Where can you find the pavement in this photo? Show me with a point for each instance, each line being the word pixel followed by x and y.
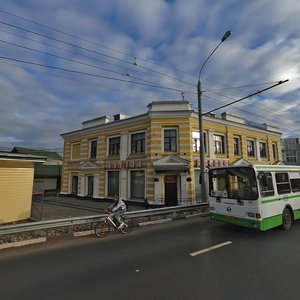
pixel 52 207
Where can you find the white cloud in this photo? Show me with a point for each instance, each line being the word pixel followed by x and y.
pixel 38 104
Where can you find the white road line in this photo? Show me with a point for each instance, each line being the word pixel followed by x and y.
pixel 210 248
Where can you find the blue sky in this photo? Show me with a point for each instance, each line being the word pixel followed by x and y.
pixel 64 62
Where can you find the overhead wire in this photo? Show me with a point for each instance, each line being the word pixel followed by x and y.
pixel 188 92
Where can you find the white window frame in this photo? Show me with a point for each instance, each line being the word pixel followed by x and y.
pixel 107 145
pixel 225 143
pixel 130 139
pixel 163 139
pixel 129 183
pixel 90 148
pixel 266 144
pixel 71 157
pixel 254 147
pixel 239 145
pixel 196 136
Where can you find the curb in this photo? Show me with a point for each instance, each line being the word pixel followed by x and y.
pixel 23 243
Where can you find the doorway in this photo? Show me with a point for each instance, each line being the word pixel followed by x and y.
pixel 171 190
pixel 75 185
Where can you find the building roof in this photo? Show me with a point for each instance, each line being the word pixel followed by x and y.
pixel 48 154
pixel 22 157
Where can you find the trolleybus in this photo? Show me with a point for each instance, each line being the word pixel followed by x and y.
pixel 257 196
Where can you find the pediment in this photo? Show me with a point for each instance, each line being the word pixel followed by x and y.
pixel 88 165
pixel 242 162
pixel 171 162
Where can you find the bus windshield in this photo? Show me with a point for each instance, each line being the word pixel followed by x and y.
pixel 235 183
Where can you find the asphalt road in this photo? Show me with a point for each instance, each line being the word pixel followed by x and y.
pixel 156 263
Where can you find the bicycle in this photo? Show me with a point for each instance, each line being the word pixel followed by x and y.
pixel 103 228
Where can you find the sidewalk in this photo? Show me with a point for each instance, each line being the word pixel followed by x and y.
pixel 51 207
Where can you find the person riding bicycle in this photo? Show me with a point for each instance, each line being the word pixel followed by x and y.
pixel 118 208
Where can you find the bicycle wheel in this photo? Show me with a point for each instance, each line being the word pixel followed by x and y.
pixel 127 228
pixel 102 229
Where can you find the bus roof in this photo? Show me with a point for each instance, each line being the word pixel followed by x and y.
pixel 264 167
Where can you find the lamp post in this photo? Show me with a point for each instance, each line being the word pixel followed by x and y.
pixel 200 117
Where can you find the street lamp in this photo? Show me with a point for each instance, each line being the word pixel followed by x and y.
pixel 200 117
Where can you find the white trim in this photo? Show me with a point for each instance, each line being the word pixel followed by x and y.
pixel 107 144
pixel 90 146
pixel 129 143
pixel 165 127
pixel 129 183
pixel 71 152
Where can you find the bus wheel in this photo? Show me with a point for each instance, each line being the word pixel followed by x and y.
pixel 287 219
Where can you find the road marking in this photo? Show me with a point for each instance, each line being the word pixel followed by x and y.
pixel 210 248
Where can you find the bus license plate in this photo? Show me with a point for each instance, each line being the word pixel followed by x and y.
pixel 229 218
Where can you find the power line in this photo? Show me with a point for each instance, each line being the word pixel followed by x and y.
pixel 89 74
pixel 93 51
pixel 88 41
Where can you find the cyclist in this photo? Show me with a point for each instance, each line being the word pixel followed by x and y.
pixel 118 208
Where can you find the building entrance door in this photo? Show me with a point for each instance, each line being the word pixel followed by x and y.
pixel 75 185
pixel 171 190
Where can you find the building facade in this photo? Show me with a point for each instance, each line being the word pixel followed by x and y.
pixel 291 151
pixel 154 157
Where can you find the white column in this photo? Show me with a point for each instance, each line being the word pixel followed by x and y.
pixel 96 186
pixel 184 187
pixel 211 144
pixel 257 150
pixel 124 146
pixel 157 190
pixel 123 183
pixel 82 185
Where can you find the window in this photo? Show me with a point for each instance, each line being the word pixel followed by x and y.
pixel 265 184
pixel 112 183
pixel 137 184
pixel 291 156
pixel 75 151
pixel 283 184
pixel 93 149
pixel 196 141
pixel 250 148
pixel 295 181
pixel 275 153
pixel 235 183
pixel 114 146
pixel 170 140
pixel 138 143
pixel 219 141
pixel 236 146
pixel 263 149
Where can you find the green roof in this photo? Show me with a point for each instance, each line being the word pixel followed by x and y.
pixel 49 154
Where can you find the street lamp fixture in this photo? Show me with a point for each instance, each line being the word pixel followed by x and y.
pixel 202 178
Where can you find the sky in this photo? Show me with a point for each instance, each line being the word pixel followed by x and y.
pixel 65 62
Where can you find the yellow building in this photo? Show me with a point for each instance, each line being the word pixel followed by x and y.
pixel 16 184
pixel 154 157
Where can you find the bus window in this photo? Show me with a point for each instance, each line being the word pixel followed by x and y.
pixel 235 183
pixel 242 184
pixel 265 184
pixel 282 182
pixel 295 181
pixel 218 183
